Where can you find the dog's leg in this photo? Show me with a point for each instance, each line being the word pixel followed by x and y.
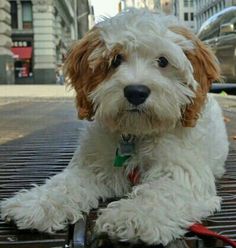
pixel 61 200
pixel 161 210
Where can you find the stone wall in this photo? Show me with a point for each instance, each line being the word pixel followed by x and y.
pixel 6 57
pixel 44 42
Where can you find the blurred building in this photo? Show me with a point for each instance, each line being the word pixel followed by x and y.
pixel 207 8
pixel 151 4
pixel 6 59
pixel 165 5
pixel 183 9
pixel 85 17
pixel 39 34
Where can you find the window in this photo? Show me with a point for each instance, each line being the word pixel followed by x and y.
pixel 220 6
pixel 208 13
pixel 185 3
pixel 186 16
pixel 191 16
pixel 27 15
pixel 191 3
pixel 224 4
pixel 14 15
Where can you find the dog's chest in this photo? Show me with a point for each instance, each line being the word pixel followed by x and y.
pixel 135 156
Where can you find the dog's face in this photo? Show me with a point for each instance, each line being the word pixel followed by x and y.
pixel 140 72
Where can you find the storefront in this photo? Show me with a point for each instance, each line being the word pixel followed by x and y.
pixel 23 63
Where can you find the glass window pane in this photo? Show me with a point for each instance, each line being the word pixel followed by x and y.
pixel 14 16
pixel 191 16
pixel 186 16
pixel 27 15
pixel 26 11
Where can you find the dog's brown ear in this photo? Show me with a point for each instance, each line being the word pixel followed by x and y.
pixel 206 70
pixel 85 69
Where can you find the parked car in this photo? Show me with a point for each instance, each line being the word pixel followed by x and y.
pixel 219 32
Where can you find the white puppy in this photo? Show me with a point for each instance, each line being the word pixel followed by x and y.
pixel 155 137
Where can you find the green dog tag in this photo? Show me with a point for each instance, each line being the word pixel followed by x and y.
pixel 119 160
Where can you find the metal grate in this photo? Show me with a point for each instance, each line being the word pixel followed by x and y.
pixel 224 222
pixel 31 160
pixel 26 161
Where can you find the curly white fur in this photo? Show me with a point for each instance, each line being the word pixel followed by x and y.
pixel 178 165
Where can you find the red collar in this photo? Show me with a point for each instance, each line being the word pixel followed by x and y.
pixel 134 176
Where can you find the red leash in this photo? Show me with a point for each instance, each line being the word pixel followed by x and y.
pixel 199 229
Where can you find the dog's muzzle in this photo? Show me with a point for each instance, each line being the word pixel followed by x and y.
pixel 136 93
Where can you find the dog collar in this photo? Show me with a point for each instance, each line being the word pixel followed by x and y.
pixel 125 149
pixel 134 176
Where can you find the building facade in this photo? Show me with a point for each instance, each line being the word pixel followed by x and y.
pixel 40 33
pixel 183 9
pixel 151 4
pixel 204 9
pixel 6 56
pixel 165 5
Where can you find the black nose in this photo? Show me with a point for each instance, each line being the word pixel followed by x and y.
pixel 136 93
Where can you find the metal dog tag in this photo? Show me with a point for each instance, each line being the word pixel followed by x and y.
pixel 127 145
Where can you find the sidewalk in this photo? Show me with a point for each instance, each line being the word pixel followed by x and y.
pixel 15 96
pixel 226 102
pixel 48 91
pixel 41 91
pixel 12 93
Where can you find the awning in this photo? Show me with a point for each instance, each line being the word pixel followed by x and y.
pixel 22 52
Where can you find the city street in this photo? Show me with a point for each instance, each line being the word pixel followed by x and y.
pixel 26 109
pixel 228 103
pixel 22 118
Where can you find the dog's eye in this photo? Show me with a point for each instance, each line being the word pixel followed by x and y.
pixel 117 61
pixel 162 62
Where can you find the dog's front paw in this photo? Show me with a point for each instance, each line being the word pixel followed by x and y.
pixel 122 220
pixel 117 223
pixel 27 216
pixel 30 210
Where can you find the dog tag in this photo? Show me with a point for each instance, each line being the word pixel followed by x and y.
pixel 120 160
pixel 125 149
pixel 127 145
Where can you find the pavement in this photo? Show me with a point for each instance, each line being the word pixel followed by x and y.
pixel 228 104
pixel 26 108
pixel 34 91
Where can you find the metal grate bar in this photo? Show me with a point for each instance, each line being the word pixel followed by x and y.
pixel 30 161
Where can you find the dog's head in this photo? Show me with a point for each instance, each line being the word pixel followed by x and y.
pixel 141 72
